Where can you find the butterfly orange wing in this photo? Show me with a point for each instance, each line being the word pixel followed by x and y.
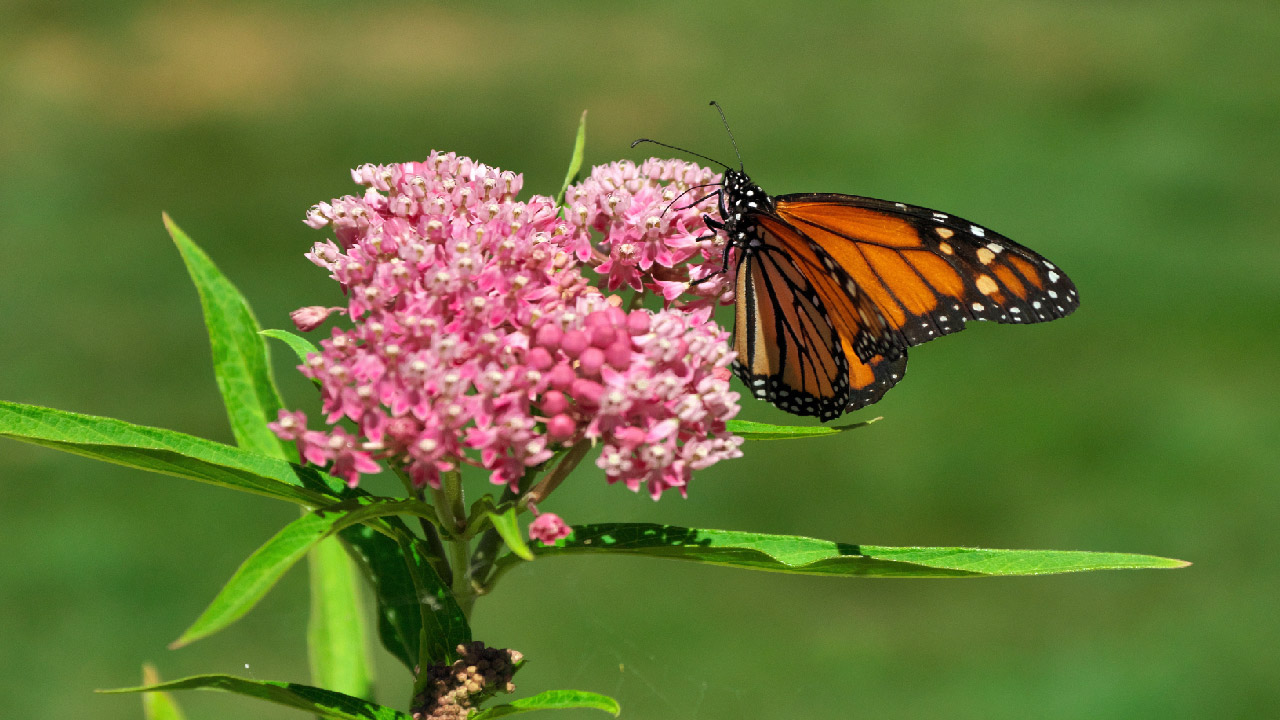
pixel 806 339
pixel 928 272
pixel 836 287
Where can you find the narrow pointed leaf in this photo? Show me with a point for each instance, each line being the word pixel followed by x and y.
pixel 260 572
pixel 298 344
pixel 337 634
pixel 319 701
pixel 807 556
pixel 552 700
pixel 167 452
pixel 241 362
pixel 575 162
pixel 764 431
pixel 158 705
pixel 508 527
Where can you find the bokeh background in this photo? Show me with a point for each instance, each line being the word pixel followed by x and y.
pixel 1135 144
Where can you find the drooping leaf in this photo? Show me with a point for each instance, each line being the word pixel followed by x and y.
pixel 508 527
pixel 337 633
pixel 807 556
pixel 260 572
pixel 320 701
pixel 167 452
pixel 552 700
pixel 575 162
pixel 241 362
pixel 158 705
pixel 750 430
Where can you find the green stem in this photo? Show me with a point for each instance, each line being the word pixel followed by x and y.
pixel 452 483
pixel 432 537
pixel 451 509
pixel 441 502
pixel 429 532
pixel 463 592
pixel 488 546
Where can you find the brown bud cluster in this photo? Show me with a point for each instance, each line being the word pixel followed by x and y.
pixel 452 691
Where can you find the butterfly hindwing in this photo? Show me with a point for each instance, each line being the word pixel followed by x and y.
pixel 872 379
pixel 788 354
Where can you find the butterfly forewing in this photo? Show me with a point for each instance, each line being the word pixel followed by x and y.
pixel 930 272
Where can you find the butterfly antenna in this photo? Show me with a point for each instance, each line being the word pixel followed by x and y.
pixel 673 147
pixel 725 120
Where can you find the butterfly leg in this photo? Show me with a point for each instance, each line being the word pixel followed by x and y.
pixel 714 226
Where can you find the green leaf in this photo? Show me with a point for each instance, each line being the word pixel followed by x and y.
pixel 575 163
pixel 185 456
pixel 167 452
pixel 326 703
pixel 764 431
pixel 298 344
pixel 807 556
pixel 158 705
pixel 260 572
pixel 240 358
pixel 399 612
pixel 444 625
pixel 508 526
pixel 552 700
pixel 337 634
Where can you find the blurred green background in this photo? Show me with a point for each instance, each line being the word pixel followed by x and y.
pixel 1135 144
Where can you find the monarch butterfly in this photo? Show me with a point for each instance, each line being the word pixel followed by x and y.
pixel 832 289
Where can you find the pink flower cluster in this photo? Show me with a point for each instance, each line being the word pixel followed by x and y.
pixel 476 339
pixel 653 236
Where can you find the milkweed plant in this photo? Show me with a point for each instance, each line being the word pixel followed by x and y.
pixel 521 338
